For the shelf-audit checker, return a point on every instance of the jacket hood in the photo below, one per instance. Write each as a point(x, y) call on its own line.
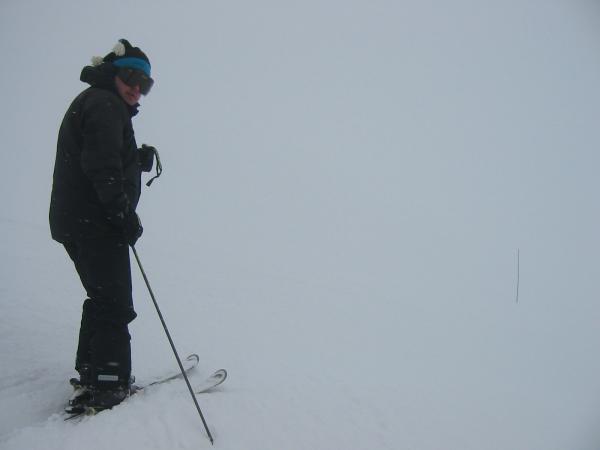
point(103, 77)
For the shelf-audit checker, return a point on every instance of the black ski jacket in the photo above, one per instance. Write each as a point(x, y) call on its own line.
point(97, 172)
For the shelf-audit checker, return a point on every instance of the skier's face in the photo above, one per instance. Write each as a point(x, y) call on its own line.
point(131, 94)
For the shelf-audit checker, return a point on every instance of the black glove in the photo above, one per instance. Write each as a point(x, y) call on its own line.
point(123, 218)
point(132, 228)
point(146, 157)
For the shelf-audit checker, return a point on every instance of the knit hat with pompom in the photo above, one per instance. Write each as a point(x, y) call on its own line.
point(125, 55)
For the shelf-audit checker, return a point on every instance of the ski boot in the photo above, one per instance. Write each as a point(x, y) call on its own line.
point(90, 399)
point(82, 391)
point(103, 398)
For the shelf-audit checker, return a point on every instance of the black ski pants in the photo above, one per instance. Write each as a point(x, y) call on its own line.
point(104, 350)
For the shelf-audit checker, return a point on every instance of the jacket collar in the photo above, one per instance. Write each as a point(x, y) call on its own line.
point(103, 77)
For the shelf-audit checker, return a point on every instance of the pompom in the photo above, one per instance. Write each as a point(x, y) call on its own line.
point(97, 60)
point(119, 49)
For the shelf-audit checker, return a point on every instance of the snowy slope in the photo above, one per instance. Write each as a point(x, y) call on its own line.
point(337, 224)
point(311, 366)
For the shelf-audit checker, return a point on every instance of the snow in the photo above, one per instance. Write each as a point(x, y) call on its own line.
point(345, 188)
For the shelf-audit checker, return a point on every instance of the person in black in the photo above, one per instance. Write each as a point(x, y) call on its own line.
point(95, 192)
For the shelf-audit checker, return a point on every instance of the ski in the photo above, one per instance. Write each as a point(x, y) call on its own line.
point(188, 365)
point(211, 382)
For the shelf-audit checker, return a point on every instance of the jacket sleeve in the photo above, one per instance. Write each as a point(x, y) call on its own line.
point(101, 159)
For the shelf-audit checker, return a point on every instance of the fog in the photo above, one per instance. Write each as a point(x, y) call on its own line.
point(387, 158)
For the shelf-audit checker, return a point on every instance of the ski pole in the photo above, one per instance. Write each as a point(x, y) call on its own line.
point(162, 320)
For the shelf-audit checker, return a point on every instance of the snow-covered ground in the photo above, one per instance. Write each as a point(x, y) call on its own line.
point(346, 186)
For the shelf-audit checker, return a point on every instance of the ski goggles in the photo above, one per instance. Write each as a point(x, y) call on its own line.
point(135, 77)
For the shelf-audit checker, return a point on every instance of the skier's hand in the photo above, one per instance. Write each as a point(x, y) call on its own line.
point(132, 228)
point(124, 219)
point(146, 157)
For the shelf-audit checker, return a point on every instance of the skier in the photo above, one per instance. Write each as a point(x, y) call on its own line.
point(95, 191)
